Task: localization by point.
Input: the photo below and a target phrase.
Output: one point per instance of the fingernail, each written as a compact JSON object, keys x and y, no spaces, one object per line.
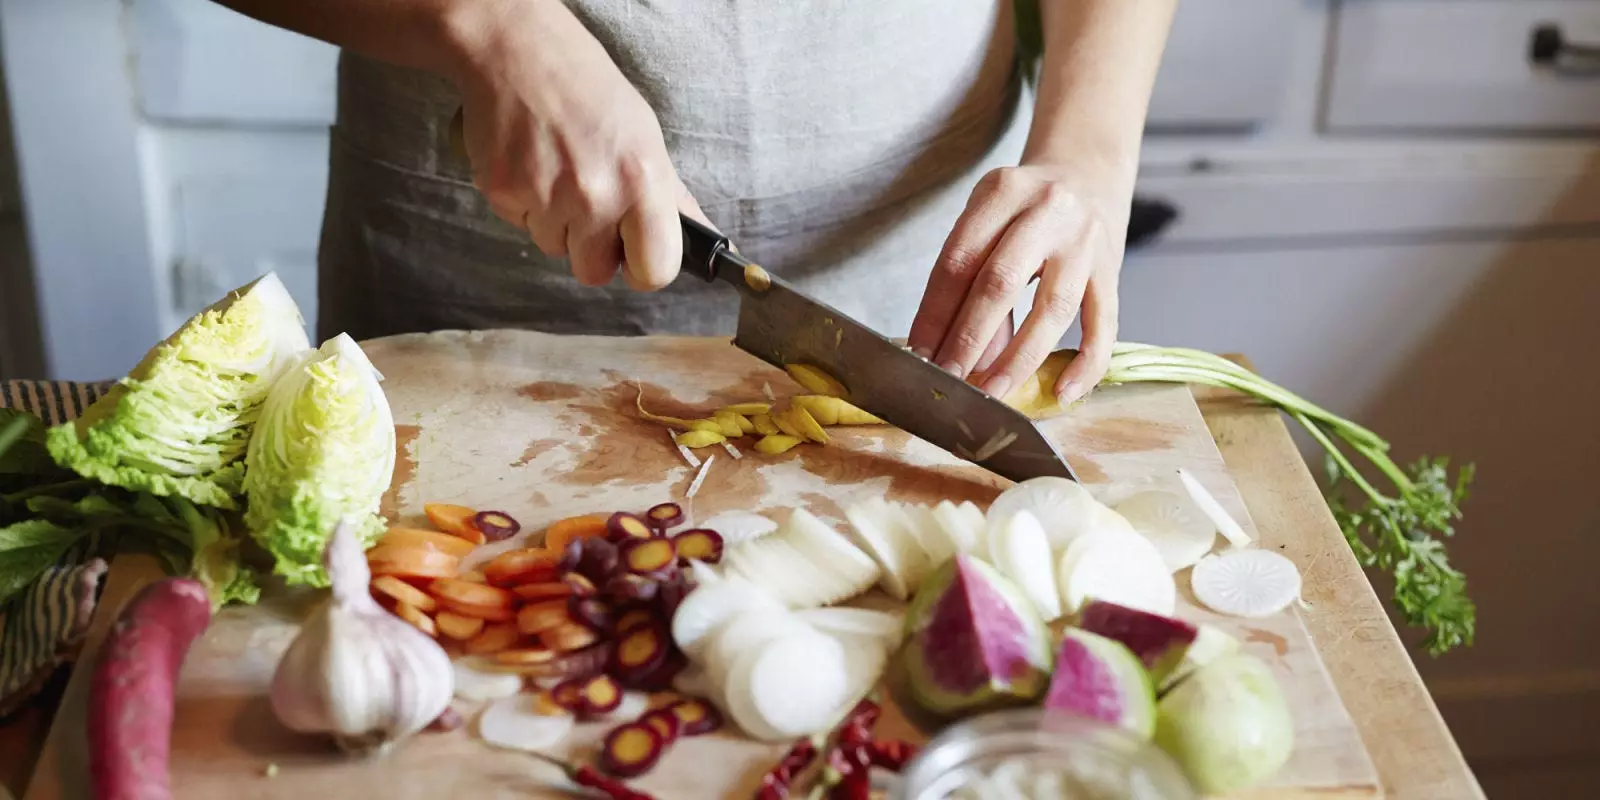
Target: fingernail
{"x":923,"y":353}
{"x":998,"y":387}
{"x":953,"y":368}
{"x":1069,"y":393}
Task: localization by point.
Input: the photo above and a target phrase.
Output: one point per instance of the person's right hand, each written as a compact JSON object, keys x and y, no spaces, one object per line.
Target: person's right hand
{"x":562,"y":145}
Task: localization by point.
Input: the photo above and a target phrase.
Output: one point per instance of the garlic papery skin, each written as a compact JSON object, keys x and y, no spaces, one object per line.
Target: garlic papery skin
{"x":356,"y":671}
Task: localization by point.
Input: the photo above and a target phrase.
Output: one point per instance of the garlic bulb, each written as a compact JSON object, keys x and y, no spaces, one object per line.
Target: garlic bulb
{"x":355,"y":670}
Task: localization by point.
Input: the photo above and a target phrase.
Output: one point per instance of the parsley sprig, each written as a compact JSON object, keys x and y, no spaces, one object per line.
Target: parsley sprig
{"x":1399,"y":528}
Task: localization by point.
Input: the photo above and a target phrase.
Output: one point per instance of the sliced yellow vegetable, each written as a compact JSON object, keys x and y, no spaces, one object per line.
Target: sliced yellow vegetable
{"x":708,"y":425}
{"x":728,"y":424}
{"x":675,"y":422}
{"x":833,"y":411}
{"x":796,"y":421}
{"x":697,"y":439}
{"x":745,"y":425}
{"x":749,"y":409}
{"x":764,"y":425}
{"x":815,"y":380}
{"x":1036,"y":396}
{"x":776,"y":443}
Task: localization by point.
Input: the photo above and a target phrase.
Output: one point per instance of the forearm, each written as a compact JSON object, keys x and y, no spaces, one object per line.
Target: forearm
{"x":434,"y":35}
{"x":1095,"y":77}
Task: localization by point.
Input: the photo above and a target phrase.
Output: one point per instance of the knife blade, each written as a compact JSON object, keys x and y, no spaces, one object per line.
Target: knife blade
{"x":781,"y":325}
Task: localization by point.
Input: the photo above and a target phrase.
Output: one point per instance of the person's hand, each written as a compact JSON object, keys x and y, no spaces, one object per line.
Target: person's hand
{"x":562,"y":145}
{"x":1064,"y":224}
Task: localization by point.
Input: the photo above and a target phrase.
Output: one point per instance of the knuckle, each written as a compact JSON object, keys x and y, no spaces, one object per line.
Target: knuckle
{"x":1058,"y":197}
{"x":1057,"y":308}
{"x":1007,"y":179}
{"x":969,"y":340}
{"x":961,"y":262}
{"x":1001,"y":282}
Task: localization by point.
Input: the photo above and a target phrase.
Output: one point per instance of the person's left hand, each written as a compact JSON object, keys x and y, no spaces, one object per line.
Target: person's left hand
{"x":1064,"y":224}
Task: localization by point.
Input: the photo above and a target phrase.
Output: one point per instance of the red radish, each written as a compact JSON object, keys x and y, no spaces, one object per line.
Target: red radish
{"x":598,"y":696}
{"x":579,"y":585}
{"x":630,"y":750}
{"x":591,"y":613}
{"x":598,"y":560}
{"x":625,"y":586}
{"x":134,"y":686}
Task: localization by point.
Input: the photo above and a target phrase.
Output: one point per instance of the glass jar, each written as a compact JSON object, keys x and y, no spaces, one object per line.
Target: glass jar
{"x":1030,"y":753}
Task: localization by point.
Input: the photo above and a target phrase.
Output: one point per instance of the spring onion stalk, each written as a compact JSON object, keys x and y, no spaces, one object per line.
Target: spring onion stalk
{"x":1393,"y":518}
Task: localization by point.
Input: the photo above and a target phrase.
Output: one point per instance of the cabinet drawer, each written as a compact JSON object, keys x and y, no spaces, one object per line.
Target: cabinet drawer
{"x":1225,"y":64}
{"x":1462,"y":65}
{"x":199,"y":62}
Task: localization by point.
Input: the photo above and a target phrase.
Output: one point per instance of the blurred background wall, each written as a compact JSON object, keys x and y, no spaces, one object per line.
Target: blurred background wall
{"x":1392,"y":206}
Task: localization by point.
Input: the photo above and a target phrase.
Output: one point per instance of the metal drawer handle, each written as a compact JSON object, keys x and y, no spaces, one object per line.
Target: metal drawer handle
{"x":1549,"y":47}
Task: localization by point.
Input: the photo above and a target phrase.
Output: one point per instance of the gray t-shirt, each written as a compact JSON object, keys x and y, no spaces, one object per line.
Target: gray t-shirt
{"x":835,"y":141}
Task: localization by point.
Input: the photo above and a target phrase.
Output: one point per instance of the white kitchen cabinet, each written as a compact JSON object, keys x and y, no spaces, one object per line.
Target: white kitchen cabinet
{"x":1225,"y":65}
{"x":1463,"y":65}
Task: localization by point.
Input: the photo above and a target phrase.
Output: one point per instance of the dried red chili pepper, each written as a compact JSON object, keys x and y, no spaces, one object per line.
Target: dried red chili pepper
{"x":892,"y":754}
{"x":587,"y":776}
{"x":775,"y":784}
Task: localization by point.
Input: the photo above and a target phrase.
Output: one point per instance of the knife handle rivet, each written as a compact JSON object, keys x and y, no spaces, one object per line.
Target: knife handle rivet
{"x":757,"y":278}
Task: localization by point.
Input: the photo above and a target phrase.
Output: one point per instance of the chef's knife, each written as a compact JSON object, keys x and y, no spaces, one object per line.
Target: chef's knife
{"x":782,"y":326}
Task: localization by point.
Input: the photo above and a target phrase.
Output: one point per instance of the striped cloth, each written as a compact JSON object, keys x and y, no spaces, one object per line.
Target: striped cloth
{"x":43,"y":625}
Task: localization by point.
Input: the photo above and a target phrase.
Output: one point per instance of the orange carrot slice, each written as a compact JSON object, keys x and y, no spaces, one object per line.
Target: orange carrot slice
{"x":412,"y":562}
{"x":454,"y":520}
{"x":417,"y":537}
{"x":402,"y":592}
{"x":458,"y":626}
{"x":410,"y":614}
{"x":527,"y":565}
{"x":563,"y":532}
{"x":493,"y":639}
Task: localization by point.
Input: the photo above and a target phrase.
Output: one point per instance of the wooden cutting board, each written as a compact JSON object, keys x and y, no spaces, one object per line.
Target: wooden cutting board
{"x":544,"y":427}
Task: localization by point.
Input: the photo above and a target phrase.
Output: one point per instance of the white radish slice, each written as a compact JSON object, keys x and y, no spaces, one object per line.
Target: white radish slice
{"x":703,"y":574}
{"x":957,"y":526}
{"x":1062,"y":506}
{"x":738,"y":527}
{"x":749,"y":631}
{"x":739,"y":703}
{"x":1246,"y":583}
{"x":793,"y":686}
{"x":1172,"y":523}
{"x":919,"y":522}
{"x":864,"y":665}
{"x":1022,"y":553}
{"x":1226,"y":525}
{"x":862,"y":623}
{"x":832,"y":554}
{"x":1116,"y":568}
{"x":477,"y":684}
{"x":633,"y":704}
{"x":870,"y":534}
{"x":514,"y":723}
{"x":705,"y":609}
{"x":800,"y":582}
{"x":917,"y":552}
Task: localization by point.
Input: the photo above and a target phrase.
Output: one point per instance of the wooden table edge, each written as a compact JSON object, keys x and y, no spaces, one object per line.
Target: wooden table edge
{"x":1410,"y":744}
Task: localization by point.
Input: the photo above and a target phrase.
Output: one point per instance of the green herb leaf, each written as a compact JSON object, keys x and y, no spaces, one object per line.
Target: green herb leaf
{"x":22,"y":447}
{"x":27,"y":549}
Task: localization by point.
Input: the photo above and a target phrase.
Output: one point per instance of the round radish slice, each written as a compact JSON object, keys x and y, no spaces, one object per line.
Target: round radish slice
{"x":1117,"y":568}
{"x":863,"y":623}
{"x":1171,"y":523}
{"x":1022,"y":552}
{"x":958,"y":527}
{"x":1063,"y":507}
{"x":832,"y":554}
{"x":918,"y":522}
{"x":1246,"y":583}
{"x":1226,"y":525}
{"x":703,"y":573}
{"x":705,"y":609}
{"x":738,"y":527}
{"x":876,"y":540}
{"x":900,"y":527}
{"x":477,"y":684}
{"x":514,"y":723}
{"x":792,"y":687}
{"x":749,"y":631}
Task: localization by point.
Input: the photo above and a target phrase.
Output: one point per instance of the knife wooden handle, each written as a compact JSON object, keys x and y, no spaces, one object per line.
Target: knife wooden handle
{"x":701,"y":243}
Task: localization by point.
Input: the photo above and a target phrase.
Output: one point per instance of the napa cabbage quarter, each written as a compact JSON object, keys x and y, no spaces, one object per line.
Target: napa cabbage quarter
{"x":323,"y":450}
{"x":179,"y":424}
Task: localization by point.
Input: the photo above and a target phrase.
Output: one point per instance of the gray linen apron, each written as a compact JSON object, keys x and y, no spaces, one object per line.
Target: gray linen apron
{"x":835,"y":141}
